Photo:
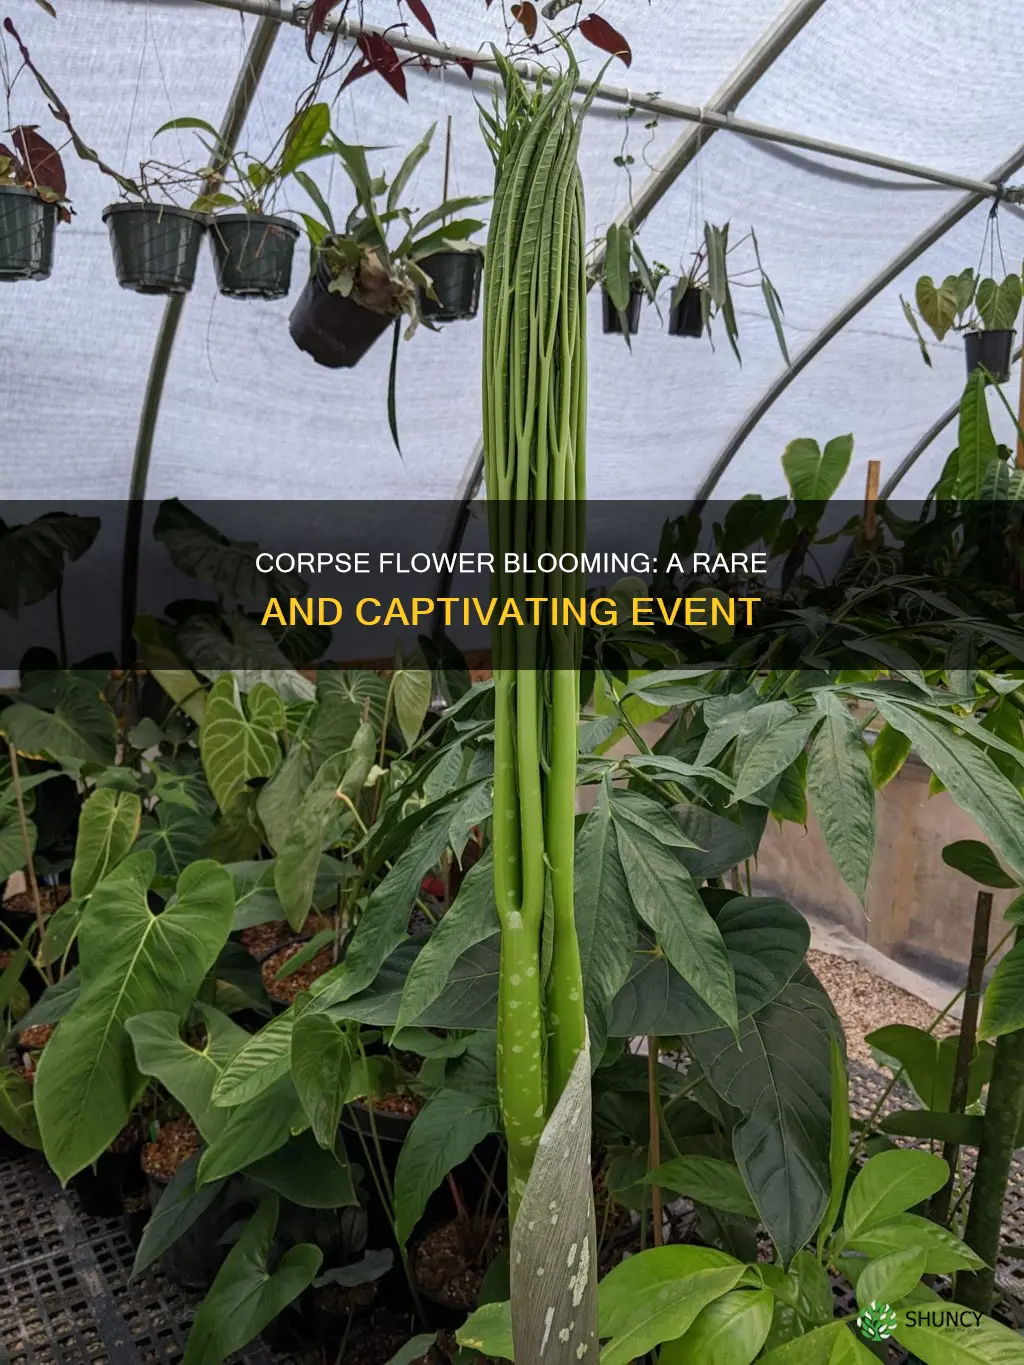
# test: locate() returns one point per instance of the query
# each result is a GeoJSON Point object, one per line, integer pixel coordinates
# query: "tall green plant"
{"type": "Point", "coordinates": [534, 383]}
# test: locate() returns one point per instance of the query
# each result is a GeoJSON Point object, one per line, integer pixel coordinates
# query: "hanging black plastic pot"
{"type": "Point", "coordinates": [252, 254]}
{"type": "Point", "coordinates": [155, 246]}
{"type": "Point", "coordinates": [686, 318]}
{"type": "Point", "coordinates": [994, 350]}
{"type": "Point", "coordinates": [26, 234]}
{"type": "Point", "coordinates": [456, 277]}
{"type": "Point", "coordinates": [612, 321]}
{"type": "Point", "coordinates": [336, 331]}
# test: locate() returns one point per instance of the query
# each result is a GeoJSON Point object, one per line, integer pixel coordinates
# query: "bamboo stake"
{"type": "Point", "coordinates": [871, 497]}
{"type": "Point", "coordinates": [30, 867]}
{"type": "Point", "coordinates": [966, 1046]}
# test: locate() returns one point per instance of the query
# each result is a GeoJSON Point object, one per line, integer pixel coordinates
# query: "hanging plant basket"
{"type": "Point", "coordinates": [612, 321]}
{"type": "Point", "coordinates": [336, 331]}
{"type": "Point", "coordinates": [26, 234]}
{"type": "Point", "coordinates": [994, 350]}
{"type": "Point", "coordinates": [456, 276]}
{"type": "Point", "coordinates": [686, 318]}
{"type": "Point", "coordinates": [252, 254]}
{"type": "Point", "coordinates": [155, 246]}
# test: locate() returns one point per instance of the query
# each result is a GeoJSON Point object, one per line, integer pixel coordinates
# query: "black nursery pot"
{"type": "Point", "coordinates": [26, 234]}
{"type": "Point", "coordinates": [612, 321]}
{"type": "Point", "coordinates": [456, 277]}
{"type": "Point", "coordinates": [100, 1189]}
{"type": "Point", "coordinates": [392, 1128]}
{"type": "Point", "coordinates": [336, 331]}
{"type": "Point", "coordinates": [994, 350]}
{"type": "Point", "coordinates": [252, 254]}
{"type": "Point", "coordinates": [156, 246]}
{"type": "Point", "coordinates": [686, 318]}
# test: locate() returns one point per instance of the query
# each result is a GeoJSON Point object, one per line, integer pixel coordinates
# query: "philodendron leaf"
{"type": "Point", "coordinates": [442, 1136]}
{"type": "Point", "coordinates": [937, 304]}
{"type": "Point", "coordinates": [17, 1111]}
{"type": "Point", "coordinates": [730, 1331]}
{"type": "Point", "coordinates": [412, 690]}
{"type": "Point", "coordinates": [32, 556]}
{"type": "Point", "coordinates": [977, 861]}
{"type": "Point", "coordinates": [246, 1296]}
{"type": "Point", "coordinates": [840, 785]}
{"type": "Point", "coordinates": [889, 1184]}
{"type": "Point", "coordinates": [178, 1208]}
{"type": "Point", "coordinates": [321, 1062]}
{"type": "Point", "coordinates": [131, 962]}
{"type": "Point", "coordinates": [937, 1337]}
{"type": "Point", "coordinates": [80, 728]}
{"type": "Point", "coordinates": [777, 1076]}
{"type": "Point", "coordinates": [201, 551]}
{"type": "Point", "coordinates": [977, 445]}
{"type": "Point", "coordinates": [1003, 1011]}
{"type": "Point", "coordinates": [235, 747]}
{"type": "Point", "coordinates": [107, 828]}
{"type": "Point", "coordinates": [553, 1247]}
{"type": "Point", "coordinates": [307, 1174]}
{"type": "Point", "coordinates": [189, 1073]}
{"type": "Point", "coordinates": [656, 1296]}
{"type": "Point", "coordinates": [254, 1130]}
{"type": "Point", "coordinates": [176, 835]}
{"type": "Point", "coordinates": [815, 474]}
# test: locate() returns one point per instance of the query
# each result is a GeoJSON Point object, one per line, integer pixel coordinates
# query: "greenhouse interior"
{"type": "Point", "coordinates": [512, 681]}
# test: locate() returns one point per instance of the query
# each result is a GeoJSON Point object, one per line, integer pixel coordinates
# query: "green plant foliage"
{"type": "Point", "coordinates": [930, 1062]}
{"type": "Point", "coordinates": [107, 827]}
{"type": "Point", "coordinates": [841, 788]}
{"type": "Point", "coordinates": [441, 1137]}
{"type": "Point", "coordinates": [33, 556]}
{"type": "Point", "coordinates": [1003, 1010]}
{"type": "Point", "coordinates": [730, 1331]}
{"type": "Point", "coordinates": [131, 962]}
{"type": "Point", "coordinates": [888, 753]}
{"type": "Point", "coordinates": [78, 728]}
{"type": "Point", "coordinates": [815, 474]}
{"type": "Point", "coordinates": [943, 1252]}
{"type": "Point", "coordinates": [253, 1130]}
{"type": "Point", "coordinates": [189, 1073]}
{"type": "Point", "coordinates": [939, 1342]}
{"type": "Point", "coordinates": [178, 1208]}
{"type": "Point", "coordinates": [976, 445]}
{"type": "Point", "coordinates": [412, 691]}
{"type": "Point", "coordinates": [246, 1295]}
{"type": "Point", "coordinates": [977, 861]}
{"type": "Point", "coordinates": [17, 1112]}
{"type": "Point", "coordinates": [237, 747]}
{"type": "Point", "coordinates": [321, 1064]}
{"type": "Point", "coordinates": [891, 1183]}
{"type": "Point", "coordinates": [706, 1180]}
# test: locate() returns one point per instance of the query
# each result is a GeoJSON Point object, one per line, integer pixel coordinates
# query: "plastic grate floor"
{"type": "Point", "coordinates": [65, 1296]}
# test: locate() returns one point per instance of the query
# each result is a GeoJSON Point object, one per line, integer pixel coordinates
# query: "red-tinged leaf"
{"type": "Point", "coordinates": [467, 66]}
{"type": "Point", "coordinates": [600, 32]}
{"type": "Point", "coordinates": [42, 160]}
{"type": "Point", "coordinates": [321, 9]}
{"type": "Point", "coordinates": [423, 15]}
{"type": "Point", "coordinates": [526, 14]}
{"type": "Point", "coordinates": [361, 68]}
{"type": "Point", "coordinates": [384, 60]}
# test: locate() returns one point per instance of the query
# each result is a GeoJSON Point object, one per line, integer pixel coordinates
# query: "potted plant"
{"type": "Point", "coordinates": [983, 310]}
{"type": "Point", "coordinates": [455, 272]}
{"type": "Point", "coordinates": [32, 200]}
{"type": "Point", "coordinates": [625, 278]}
{"type": "Point", "coordinates": [704, 293]}
{"type": "Point", "coordinates": [252, 245]}
{"type": "Point", "coordinates": [360, 281]}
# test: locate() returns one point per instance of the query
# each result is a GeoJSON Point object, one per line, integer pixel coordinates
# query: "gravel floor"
{"type": "Point", "coordinates": [864, 1002]}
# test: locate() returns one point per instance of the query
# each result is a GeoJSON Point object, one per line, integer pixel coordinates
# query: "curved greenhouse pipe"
{"type": "Point", "coordinates": [769, 47]}
{"type": "Point", "coordinates": [246, 83]}
{"type": "Point", "coordinates": [919, 447]}
{"type": "Point", "coordinates": [846, 314]}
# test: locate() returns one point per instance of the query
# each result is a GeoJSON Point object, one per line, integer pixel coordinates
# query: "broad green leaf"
{"type": "Point", "coordinates": [229, 566]}
{"type": "Point", "coordinates": [246, 1296]}
{"type": "Point", "coordinates": [930, 1062]}
{"type": "Point", "coordinates": [605, 927]}
{"type": "Point", "coordinates": [706, 1180]}
{"type": "Point", "coordinates": [442, 1136]}
{"type": "Point", "coordinates": [778, 1077]}
{"type": "Point", "coordinates": [32, 556]}
{"type": "Point", "coordinates": [178, 1208]}
{"type": "Point", "coordinates": [253, 1130]}
{"type": "Point", "coordinates": [236, 748]}
{"type": "Point", "coordinates": [131, 962]}
{"type": "Point", "coordinates": [305, 136]}
{"type": "Point", "coordinates": [888, 1184]}
{"type": "Point", "coordinates": [999, 304]}
{"type": "Point", "coordinates": [12, 848]}
{"type": "Point", "coordinates": [766, 940]}
{"type": "Point", "coordinates": [814, 474]}
{"type": "Point", "coordinates": [262, 1061]}
{"type": "Point", "coordinates": [488, 1329]}
{"type": "Point", "coordinates": [805, 1289]}
{"type": "Point", "coordinates": [412, 690]}
{"type": "Point", "coordinates": [965, 1130]}
{"type": "Point", "coordinates": [17, 1111]}
{"type": "Point", "coordinates": [650, 1311]}
{"type": "Point", "coordinates": [970, 776]}
{"type": "Point", "coordinates": [321, 1062]}
{"type": "Point", "coordinates": [888, 753]}
{"type": "Point", "coordinates": [1003, 1010]}
{"type": "Point", "coordinates": [176, 835]}
{"type": "Point", "coordinates": [730, 1331]}
{"type": "Point", "coordinates": [840, 785]}
{"type": "Point", "coordinates": [417, 1348]}
{"type": "Point", "coordinates": [307, 1174]}
{"type": "Point", "coordinates": [618, 246]}
{"type": "Point", "coordinates": [470, 919]}
{"type": "Point", "coordinates": [649, 1271]}
{"type": "Point", "coordinates": [666, 899]}
{"type": "Point", "coordinates": [937, 304]}
{"type": "Point", "coordinates": [977, 861]}
{"type": "Point", "coordinates": [823, 1346]}
{"type": "Point", "coordinates": [553, 1247]}
{"type": "Point", "coordinates": [943, 1252]}
{"type": "Point", "coordinates": [189, 1073]}
{"type": "Point", "coordinates": [771, 753]}
{"type": "Point", "coordinates": [839, 1136]}
{"type": "Point", "coordinates": [933, 1337]}
{"type": "Point", "coordinates": [107, 828]}
{"type": "Point", "coordinates": [891, 1277]}
{"type": "Point", "coordinates": [977, 444]}
{"type": "Point", "coordinates": [721, 844]}
{"type": "Point", "coordinates": [80, 728]}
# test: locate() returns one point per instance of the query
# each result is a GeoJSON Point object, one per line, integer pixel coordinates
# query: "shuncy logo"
{"type": "Point", "coordinates": [877, 1321]}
